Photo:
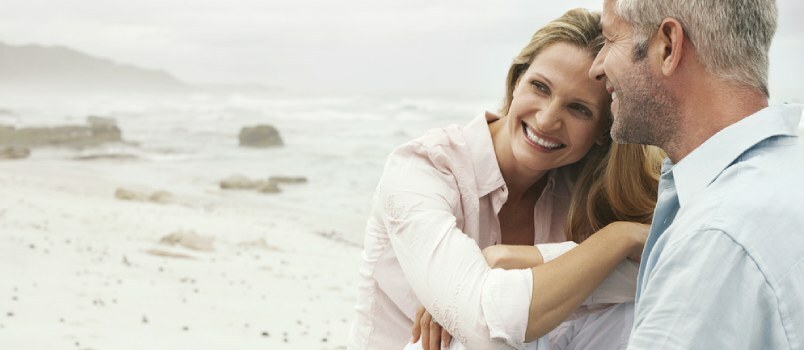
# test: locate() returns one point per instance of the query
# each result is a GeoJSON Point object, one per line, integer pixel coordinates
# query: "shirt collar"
{"type": "Point", "coordinates": [484, 160]}
{"type": "Point", "coordinates": [703, 165]}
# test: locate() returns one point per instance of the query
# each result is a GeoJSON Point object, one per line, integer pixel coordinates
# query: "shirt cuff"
{"type": "Point", "coordinates": [505, 299]}
{"type": "Point", "coordinates": [551, 251]}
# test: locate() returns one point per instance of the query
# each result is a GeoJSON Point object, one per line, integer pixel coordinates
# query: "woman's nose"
{"type": "Point", "coordinates": [549, 119]}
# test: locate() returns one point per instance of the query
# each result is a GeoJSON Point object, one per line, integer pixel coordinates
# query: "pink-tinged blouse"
{"type": "Point", "coordinates": [435, 208]}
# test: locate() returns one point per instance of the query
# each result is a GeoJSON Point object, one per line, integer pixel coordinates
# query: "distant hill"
{"type": "Point", "coordinates": [35, 68]}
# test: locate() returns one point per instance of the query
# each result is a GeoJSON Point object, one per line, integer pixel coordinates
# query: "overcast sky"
{"type": "Point", "coordinates": [460, 47]}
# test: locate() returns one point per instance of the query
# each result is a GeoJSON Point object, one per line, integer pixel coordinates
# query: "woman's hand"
{"type": "Point", "coordinates": [429, 331]}
{"type": "Point", "coordinates": [638, 233]}
{"type": "Point", "coordinates": [510, 257]}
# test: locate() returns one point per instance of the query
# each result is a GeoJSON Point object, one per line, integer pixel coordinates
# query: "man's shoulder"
{"type": "Point", "coordinates": [757, 204]}
{"type": "Point", "coordinates": [769, 175]}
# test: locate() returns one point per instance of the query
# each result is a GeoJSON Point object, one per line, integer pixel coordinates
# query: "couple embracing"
{"type": "Point", "coordinates": [557, 224]}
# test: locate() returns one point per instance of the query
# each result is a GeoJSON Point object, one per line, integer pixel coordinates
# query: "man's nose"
{"type": "Point", "coordinates": [596, 71]}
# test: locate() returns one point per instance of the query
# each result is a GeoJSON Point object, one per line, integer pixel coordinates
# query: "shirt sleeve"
{"type": "Point", "coordinates": [705, 292]}
{"type": "Point", "coordinates": [446, 268]}
{"type": "Point", "coordinates": [618, 287]}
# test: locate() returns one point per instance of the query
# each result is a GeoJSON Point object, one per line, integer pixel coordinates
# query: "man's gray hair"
{"type": "Point", "coordinates": [732, 37]}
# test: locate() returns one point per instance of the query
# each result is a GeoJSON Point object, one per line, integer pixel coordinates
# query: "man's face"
{"type": "Point", "coordinates": [643, 110]}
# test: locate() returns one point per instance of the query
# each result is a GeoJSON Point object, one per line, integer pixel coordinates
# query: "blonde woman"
{"type": "Point", "coordinates": [544, 171]}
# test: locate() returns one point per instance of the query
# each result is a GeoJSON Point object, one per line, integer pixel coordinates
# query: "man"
{"type": "Point", "coordinates": [723, 267]}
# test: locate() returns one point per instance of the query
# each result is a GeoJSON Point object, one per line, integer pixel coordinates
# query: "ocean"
{"type": "Point", "coordinates": [188, 143]}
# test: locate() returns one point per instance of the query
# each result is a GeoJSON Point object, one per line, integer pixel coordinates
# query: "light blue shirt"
{"type": "Point", "coordinates": [728, 272]}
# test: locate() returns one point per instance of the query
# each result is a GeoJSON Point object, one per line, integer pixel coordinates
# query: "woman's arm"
{"type": "Point", "coordinates": [617, 287]}
{"type": "Point", "coordinates": [417, 202]}
{"type": "Point", "coordinates": [512, 257]}
{"type": "Point", "coordinates": [561, 285]}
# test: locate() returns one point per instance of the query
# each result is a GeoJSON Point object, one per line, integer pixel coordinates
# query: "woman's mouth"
{"type": "Point", "coordinates": [540, 142]}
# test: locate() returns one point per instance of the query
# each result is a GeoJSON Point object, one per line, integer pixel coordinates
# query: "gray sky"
{"type": "Point", "coordinates": [461, 47]}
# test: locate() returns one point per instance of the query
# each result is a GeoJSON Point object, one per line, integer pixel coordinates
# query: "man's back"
{"type": "Point", "coordinates": [729, 271]}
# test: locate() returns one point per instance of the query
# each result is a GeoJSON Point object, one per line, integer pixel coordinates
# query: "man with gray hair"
{"type": "Point", "coordinates": [723, 267]}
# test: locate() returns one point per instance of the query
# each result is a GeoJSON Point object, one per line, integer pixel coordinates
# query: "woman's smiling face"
{"type": "Point", "coordinates": [558, 112]}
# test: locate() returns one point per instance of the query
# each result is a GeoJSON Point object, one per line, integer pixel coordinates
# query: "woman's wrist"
{"type": "Point", "coordinates": [631, 235]}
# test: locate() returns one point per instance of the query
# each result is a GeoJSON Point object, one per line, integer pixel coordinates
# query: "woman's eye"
{"type": "Point", "coordinates": [582, 110]}
{"type": "Point", "coordinates": [541, 87]}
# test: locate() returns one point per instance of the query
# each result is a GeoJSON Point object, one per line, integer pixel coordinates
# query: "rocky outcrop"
{"type": "Point", "coordinates": [97, 131]}
{"type": "Point", "coordinates": [240, 182]}
{"type": "Point", "coordinates": [14, 152]}
{"type": "Point", "coordinates": [260, 136]}
{"type": "Point", "coordinates": [189, 240]}
{"type": "Point", "coordinates": [161, 197]}
{"type": "Point", "coordinates": [287, 179]}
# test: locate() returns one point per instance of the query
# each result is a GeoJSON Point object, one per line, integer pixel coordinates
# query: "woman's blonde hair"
{"type": "Point", "coordinates": [616, 182]}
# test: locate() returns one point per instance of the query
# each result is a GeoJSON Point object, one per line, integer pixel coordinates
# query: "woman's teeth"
{"type": "Point", "coordinates": [540, 141]}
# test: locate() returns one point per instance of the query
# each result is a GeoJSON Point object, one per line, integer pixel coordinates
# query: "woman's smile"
{"type": "Point", "coordinates": [540, 142]}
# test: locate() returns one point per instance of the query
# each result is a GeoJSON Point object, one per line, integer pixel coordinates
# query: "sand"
{"type": "Point", "coordinates": [201, 268]}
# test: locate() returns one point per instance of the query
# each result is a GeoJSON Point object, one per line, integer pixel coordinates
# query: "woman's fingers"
{"type": "Point", "coordinates": [435, 335]}
{"type": "Point", "coordinates": [425, 330]}
{"type": "Point", "coordinates": [446, 338]}
{"type": "Point", "coordinates": [416, 332]}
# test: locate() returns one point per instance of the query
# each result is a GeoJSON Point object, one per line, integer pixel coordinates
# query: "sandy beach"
{"type": "Point", "coordinates": [134, 244]}
{"type": "Point", "coordinates": [199, 270]}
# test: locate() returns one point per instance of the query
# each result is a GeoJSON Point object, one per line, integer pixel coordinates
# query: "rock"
{"type": "Point", "coordinates": [104, 129]}
{"type": "Point", "coordinates": [237, 182]}
{"type": "Point", "coordinates": [160, 197]}
{"type": "Point", "coordinates": [268, 187]}
{"type": "Point", "coordinates": [240, 182]}
{"type": "Point", "coordinates": [128, 195]}
{"type": "Point", "coordinates": [260, 136]}
{"type": "Point", "coordinates": [287, 179]}
{"type": "Point", "coordinates": [189, 240]}
{"type": "Point", "coordinates": [97, 131]}
{"type": "Point", "coordinates": [14, 153]}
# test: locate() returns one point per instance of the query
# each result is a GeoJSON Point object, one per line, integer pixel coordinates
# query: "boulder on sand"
{"type": "Point", "coordinates": [14, 152]}
{"type": "Point", "coordinates": [240, 182]}
{"type": "Point", "coordinates": [189, 240]}
{"type": "Point", "coordinates": [287, 179]}
{"type": "Point", "coordinates": [260, 136]}
{"type": "Point", "coordinates": [97, 131]}
{"type": "Point", "coordinates": [161, 197]}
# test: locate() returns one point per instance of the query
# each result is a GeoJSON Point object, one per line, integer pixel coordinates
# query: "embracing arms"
{"type": "Point", "coordinates": [571, 273]}
{"type": "Point", "coordinates": [417, 200]}
{"type": "Point", "coordinates": [561, 285]}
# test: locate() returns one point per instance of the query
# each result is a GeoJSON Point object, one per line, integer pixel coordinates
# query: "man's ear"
{"type": "Point", "coordinates": [669, 45]}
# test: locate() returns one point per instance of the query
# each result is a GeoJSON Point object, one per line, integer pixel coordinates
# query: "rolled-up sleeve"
{"type": "Point", "coordinates": [446, 268]}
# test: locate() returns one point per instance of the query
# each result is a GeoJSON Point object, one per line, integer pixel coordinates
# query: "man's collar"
{"type": "Point", "coordinates": [704, 164]}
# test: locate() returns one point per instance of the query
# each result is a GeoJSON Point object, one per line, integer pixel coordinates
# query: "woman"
{"type": "Point", "coordinates": [546, 166]}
